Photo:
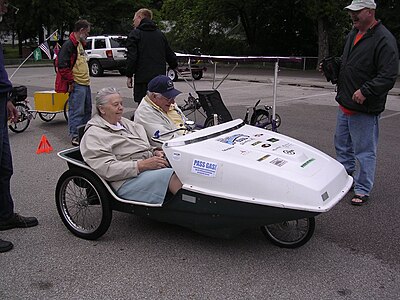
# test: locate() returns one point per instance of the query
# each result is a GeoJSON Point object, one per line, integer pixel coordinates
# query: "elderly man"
{"type": "Point", "coordinates": [368, 70]}
{"type": "Point", "coordinates": [158, 110]}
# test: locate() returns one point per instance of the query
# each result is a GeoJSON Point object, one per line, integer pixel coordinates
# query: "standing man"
{"type": "Point", "coordinates": [8, 218]}
{"type": "Point", "coordinates": [148, 53]}
{"type": "Point", "coordinates": [368, 70]}
{"type": "Point", "coordinates": [73, 77]}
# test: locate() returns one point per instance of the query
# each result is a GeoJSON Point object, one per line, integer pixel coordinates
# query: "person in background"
{"type": "Point", "coordinates": [118, 150]}
{"type": "Point", "coordinates": [368, 70]}
{"type": "Point", "coordinates": [73, 77]}
{"type": "Point", "coordinates": [148, 53]}
{"type": "Point", "coordinates": [158, 110]}
{"type": "Point", "coordinates": [8, 218]}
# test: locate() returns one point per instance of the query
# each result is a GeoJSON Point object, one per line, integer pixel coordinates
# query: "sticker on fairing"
{"type": "Point", "coordinates": [204, 168]}
{"type": "Point", "coordinates": [278, 162]}
{"type": "Point", "coordinates": [176, 156]}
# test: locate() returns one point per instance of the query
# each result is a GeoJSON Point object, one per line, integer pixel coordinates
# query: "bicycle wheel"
{"type": "Point", "coordinates": [23, 119]}
{"type": "Point", "coordinates": [66, 110]}
{"type": "Point", "coordinates": [278, 120]}
{"type": "Point", "coordinates": [210, 121]}
{"type": "Point", "coordinates": [47, 117]}
{"type": "Point", "coordinates": [290, 234]}
{"type": "Point", "coordinates": [83, 203]}
{"type": "Point", "coordinates": [260, 118]}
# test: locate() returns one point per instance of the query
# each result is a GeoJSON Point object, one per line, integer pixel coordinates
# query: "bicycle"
{"type": "Point", "coordinates": [211, 103]}
{"type": "Point", "coordinates": [18, 96]}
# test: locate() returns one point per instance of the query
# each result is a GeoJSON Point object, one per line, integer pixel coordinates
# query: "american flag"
{"type": "Point", "coordinates": [45, 47]}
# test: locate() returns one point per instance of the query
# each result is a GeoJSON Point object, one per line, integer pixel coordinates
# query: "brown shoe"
{"type": "Point", "coordinates": [5, 246]}
{"type": "Point", "coordinates": [18, 221]}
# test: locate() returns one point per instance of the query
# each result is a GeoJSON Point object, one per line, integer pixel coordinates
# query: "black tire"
{"type": "Point", "coordinates": [260, 118]}
{"type": "Point", "coordinates": [66, 110]}
{"type": "Point", "coordinates": [24, 118]}
{"type": "Point", "coordinates": [172, 74]}
{"type": "Point", "coordinates": [83, 203]}
{"type": "Point", "coordinates": [290, 234]}
{"type": "Point", "coordinates": [95, 68]}
{"type": "Point", "coordinates": [278, 120]}
{"type": "Point", "coordinates": [197, 75]}
{"type": "Point", "coordinates": [210, 121]}
{"type": "Point", "coordinates": [47, 117]}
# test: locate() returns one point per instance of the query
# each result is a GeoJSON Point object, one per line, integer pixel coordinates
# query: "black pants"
{"type": "Point", "coordinates": [139, 91]}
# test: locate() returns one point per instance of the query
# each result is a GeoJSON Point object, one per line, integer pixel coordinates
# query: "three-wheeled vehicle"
{"type": "Point", "coordinates": [235, 177]}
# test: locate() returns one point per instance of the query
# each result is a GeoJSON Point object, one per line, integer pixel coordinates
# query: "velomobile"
{"type": "Point", "coordinates": [235, 176]}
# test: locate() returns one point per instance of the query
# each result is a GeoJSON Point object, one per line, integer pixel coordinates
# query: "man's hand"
{"type": "Point", "coordinates": [129, 82]}
{"type": "Point", "coordinates": [12, 112]}
{"type": "Point", "coordinates": [71, 87]}
{"type": "Point", "coordinates": [152, 163]}
{"type": "Point", "coordinates": [358, 97]}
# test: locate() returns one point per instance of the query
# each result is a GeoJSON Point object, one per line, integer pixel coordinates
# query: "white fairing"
{"type": "Point", "coordinates": [259, 166]}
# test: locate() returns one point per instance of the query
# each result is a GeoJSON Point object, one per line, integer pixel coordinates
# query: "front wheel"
{"type": "Point", "coordinates": [24, 118]}
{"type": "Point", "coordinates": [83, 203]}
{"type": "Point", "coordinates": [260, 118]}
{"type": "Point", "coordinates": [290, 234]}
{"type": "Point", "coordinates": [172, 74]}
{"type": "Point", "coordinates": [47, 117]}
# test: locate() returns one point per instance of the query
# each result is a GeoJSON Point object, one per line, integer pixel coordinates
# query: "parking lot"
{"type": "Point", "coordinates": [354, 253]}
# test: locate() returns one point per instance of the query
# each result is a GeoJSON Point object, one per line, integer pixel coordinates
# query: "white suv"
{"type": "Point", "coordinates": [106, 52]}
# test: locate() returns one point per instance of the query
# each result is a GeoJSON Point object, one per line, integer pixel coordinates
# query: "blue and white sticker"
{"type": "Point", "coordinates": [204, 168]}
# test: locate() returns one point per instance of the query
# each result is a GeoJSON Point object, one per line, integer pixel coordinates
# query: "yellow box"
{"type": "Point", "coordinates": [50, 101]}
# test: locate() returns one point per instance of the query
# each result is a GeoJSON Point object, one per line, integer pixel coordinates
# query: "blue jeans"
{"type": "Point", "coordinates": [6, 166]}
{"type": "Point", "coordinates": [79, 108]}
{"type": "Point", "coordinates": [356, 140]}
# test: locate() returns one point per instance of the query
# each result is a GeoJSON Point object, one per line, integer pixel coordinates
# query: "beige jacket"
{"type": "Point", "coordinates": [113, 153]}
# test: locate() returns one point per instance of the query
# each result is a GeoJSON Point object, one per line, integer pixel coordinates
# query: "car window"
{"type": "Point", "coordinates": [118, 42]}
{"type": "Point", "coordinates": [88, 45]}
{"type": "Point", "coordinates": [99, 43]}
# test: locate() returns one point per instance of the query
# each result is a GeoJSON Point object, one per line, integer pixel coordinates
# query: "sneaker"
{"type": "Point", "coordinates": [75, 141]}
{"type": "Point", "coordinates": [18, 221]}
{"type": "Point", "coordinates": [5, 246]}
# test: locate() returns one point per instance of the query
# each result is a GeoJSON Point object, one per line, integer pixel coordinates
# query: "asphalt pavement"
{"type": "Point", "coordinates": [354, 253]}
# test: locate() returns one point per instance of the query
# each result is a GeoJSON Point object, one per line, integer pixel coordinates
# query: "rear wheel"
{"type": "Point", "coordinates": [290, 234]}
{"type": "Point", "coordinates": [23, 119]}
{"type": "Point", "coordinates": [83, 203]}
{"type": "Point", "coordinates": [260, 118]}
{"type": "Point", "coordinates": [47, 117]}
{"type": "Point", "coordinates": [95, 69]}
{"type": "Point", "coordinates": [172, 74]}
{"type": "Point", "coordinates": [197, 75]}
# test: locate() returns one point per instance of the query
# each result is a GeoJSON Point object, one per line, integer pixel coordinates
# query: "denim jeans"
{"type": "Point", "coordinates": [356, 140]}
{"type": "Point", "coordinates": [6, 166]}
{"type": "Point", "coordinates": [79, 108]}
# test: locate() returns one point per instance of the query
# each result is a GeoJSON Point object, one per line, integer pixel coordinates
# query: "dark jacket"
{"type": "Point", "coordinates": [371, 66]}
{"type": "Point", "coordinates": [148, 52]}
{"type": "Point", "coordinates": [65, 62]}
{"type": "Point", "coordinates": [5, 84]}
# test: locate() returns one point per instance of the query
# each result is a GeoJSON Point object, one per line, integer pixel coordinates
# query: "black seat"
{"type": "Point", "coordinates": [212, 103]}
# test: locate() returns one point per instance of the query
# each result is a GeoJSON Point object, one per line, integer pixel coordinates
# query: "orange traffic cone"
{"type": "Point", "coordinates": [44, 146]}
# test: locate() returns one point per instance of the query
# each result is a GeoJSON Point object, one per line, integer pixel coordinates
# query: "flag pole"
{"type": "Point", "coordinates": [31, 55]}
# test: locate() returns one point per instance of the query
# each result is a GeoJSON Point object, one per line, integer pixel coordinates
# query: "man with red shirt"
{"type": "Point", "coordinates": [368, 70]}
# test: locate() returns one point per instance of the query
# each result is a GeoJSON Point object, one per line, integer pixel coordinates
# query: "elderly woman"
{"type": "Point", "coordinates": [118, 150]}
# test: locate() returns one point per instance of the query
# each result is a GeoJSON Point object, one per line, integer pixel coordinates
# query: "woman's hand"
{"type": "Point", "coordinates": [159, 153]}
{"type": "Point", "coordinates": [152, 163]}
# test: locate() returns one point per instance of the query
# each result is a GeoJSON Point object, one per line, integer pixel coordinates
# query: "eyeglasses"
{"type": "Point", "coordinates": [165, 98]}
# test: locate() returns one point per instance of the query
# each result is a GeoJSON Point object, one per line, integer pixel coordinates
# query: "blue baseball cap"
{"type": "Point", "coordinates": [163, 85]}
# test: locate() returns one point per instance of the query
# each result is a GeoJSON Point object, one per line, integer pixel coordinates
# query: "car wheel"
{"type": "Point", "coordinates": [95, 69]}
{"type": "Point", "coordinates": [172, 74]}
